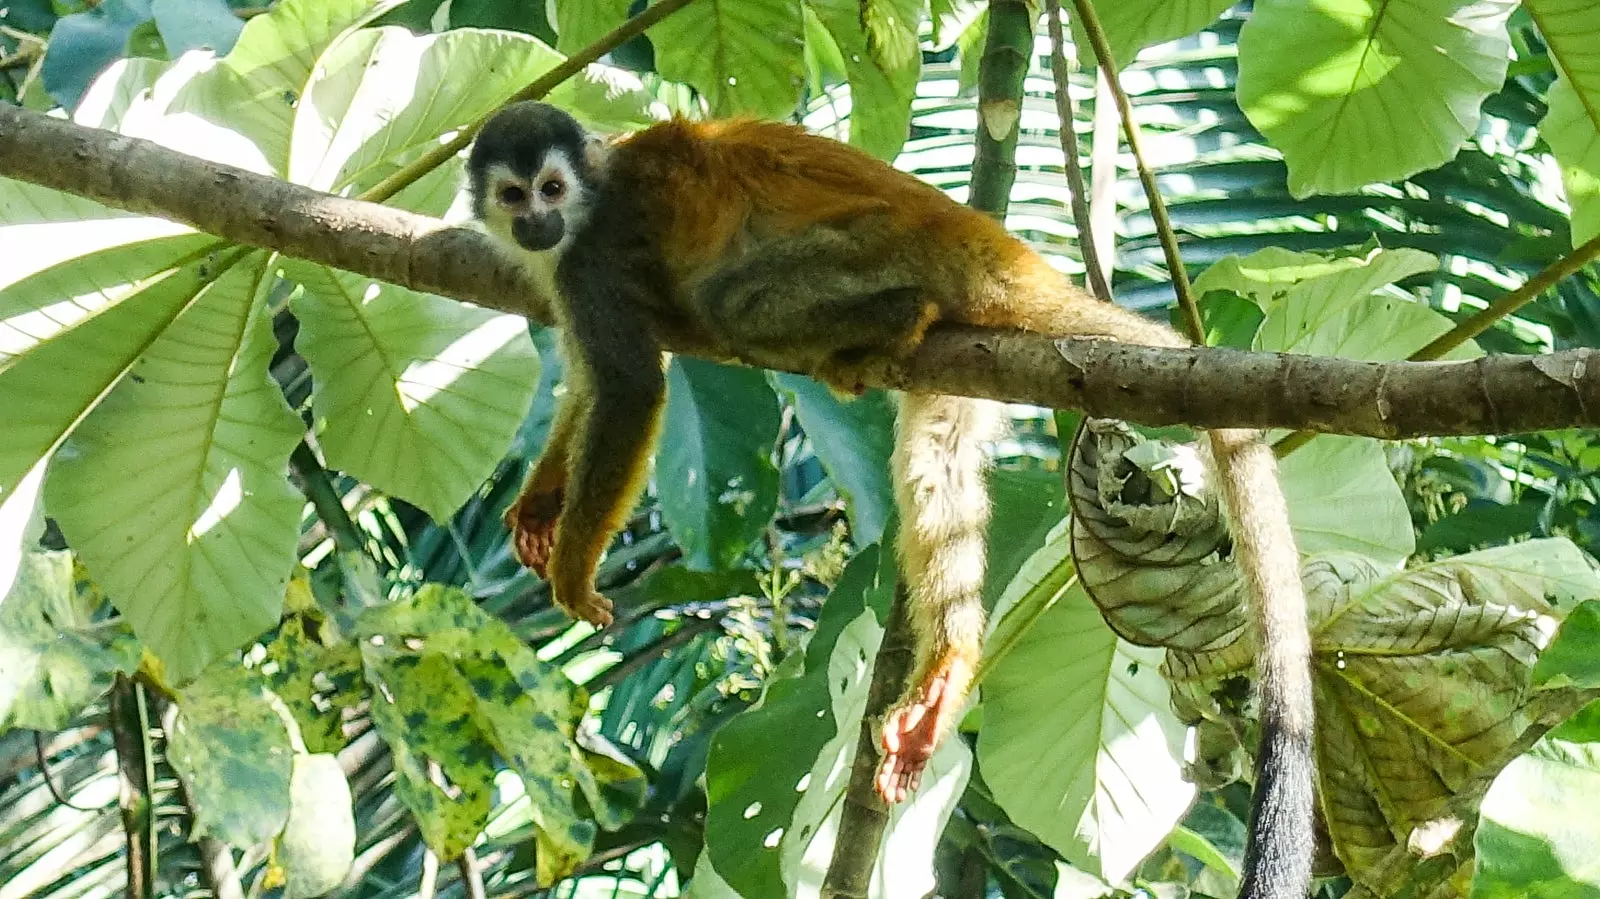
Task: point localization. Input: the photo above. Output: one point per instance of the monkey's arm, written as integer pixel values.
(531, 517)
(614, 422)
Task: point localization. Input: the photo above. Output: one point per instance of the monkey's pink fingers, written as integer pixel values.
(911, 735)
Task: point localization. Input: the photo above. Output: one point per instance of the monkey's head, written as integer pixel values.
(531, 174)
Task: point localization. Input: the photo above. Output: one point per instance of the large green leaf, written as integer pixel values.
(1357, 91)
(53, 661)
(423, 709)
(173, 490)
(1132, 25)
(1573, 657)
(232, 751)
(1079, 742)
(904, 867)
(580, 23)
(1539, 826)
(417, 395)
(498, 698)
(67, 335)
(1312, 315)
(743, 56)
(853, 440)
(1342, 496)
(777, 773)
(383, 95)
(714, 468)
(881, 83)
(274, 58)
(1571, 29)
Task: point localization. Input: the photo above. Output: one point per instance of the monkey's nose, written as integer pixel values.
(538, 231)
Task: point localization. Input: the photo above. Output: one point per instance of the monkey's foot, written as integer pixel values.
(595, 609)
(532, 520)
(913, 729)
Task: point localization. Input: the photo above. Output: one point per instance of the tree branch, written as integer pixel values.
(1208, 388)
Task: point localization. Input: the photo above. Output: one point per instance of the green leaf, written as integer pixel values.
(1573, 658)
(906, 851)
(1132, 25)
(1025, 507)
(174, 490)
(21, 525)
(1538, 829)
(53, 661)
(1342, 496)
(746, 57)
(1266, 275)
(758, 759)
(424, 710)
(416, 394)
(519, 707)
(318, 843)
(392, 93)
(1483, 522)
(83, 44)
(1096, 771)
(882, 62)
(196, 24)
(853, 440)
(1357, 91)
(1325, 313)
(1571, 30)
(232, 751)
(950, 18)
(580, 23)
(274, 58)
(1230, 319)
(317, 683)
(66, 336)
(714, 468)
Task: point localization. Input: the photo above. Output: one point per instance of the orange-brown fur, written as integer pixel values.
(760, 242)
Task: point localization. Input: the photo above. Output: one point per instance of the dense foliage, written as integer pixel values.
(258, 606)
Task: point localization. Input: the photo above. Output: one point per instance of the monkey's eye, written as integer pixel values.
(552, 189)
(512, 195)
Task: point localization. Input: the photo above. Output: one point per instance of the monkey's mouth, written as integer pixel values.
(538, 231)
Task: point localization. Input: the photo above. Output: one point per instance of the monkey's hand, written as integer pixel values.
(913, 729)
(532, 520)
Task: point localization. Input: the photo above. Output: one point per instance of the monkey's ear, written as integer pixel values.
(595, 150)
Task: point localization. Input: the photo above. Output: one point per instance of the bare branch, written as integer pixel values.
(1209, 388)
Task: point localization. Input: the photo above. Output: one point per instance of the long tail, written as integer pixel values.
(939, 467)
(1277, 863)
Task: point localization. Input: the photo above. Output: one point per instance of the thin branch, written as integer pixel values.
(49, 779)
(21, 59)
(1204, 387)
(318, 488)
(1067, 112)
(865, 816)
(544, 84)
(471, 874)
(130, 730)
(1158, 207)
(1482, 321)
(1511, 302)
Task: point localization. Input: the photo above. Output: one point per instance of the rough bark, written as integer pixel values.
(1211, 388)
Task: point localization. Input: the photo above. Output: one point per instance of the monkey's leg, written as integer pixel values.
(939, 464)
(615, 429)
(821, 300)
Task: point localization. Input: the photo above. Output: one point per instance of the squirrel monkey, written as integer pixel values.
(761, 242)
